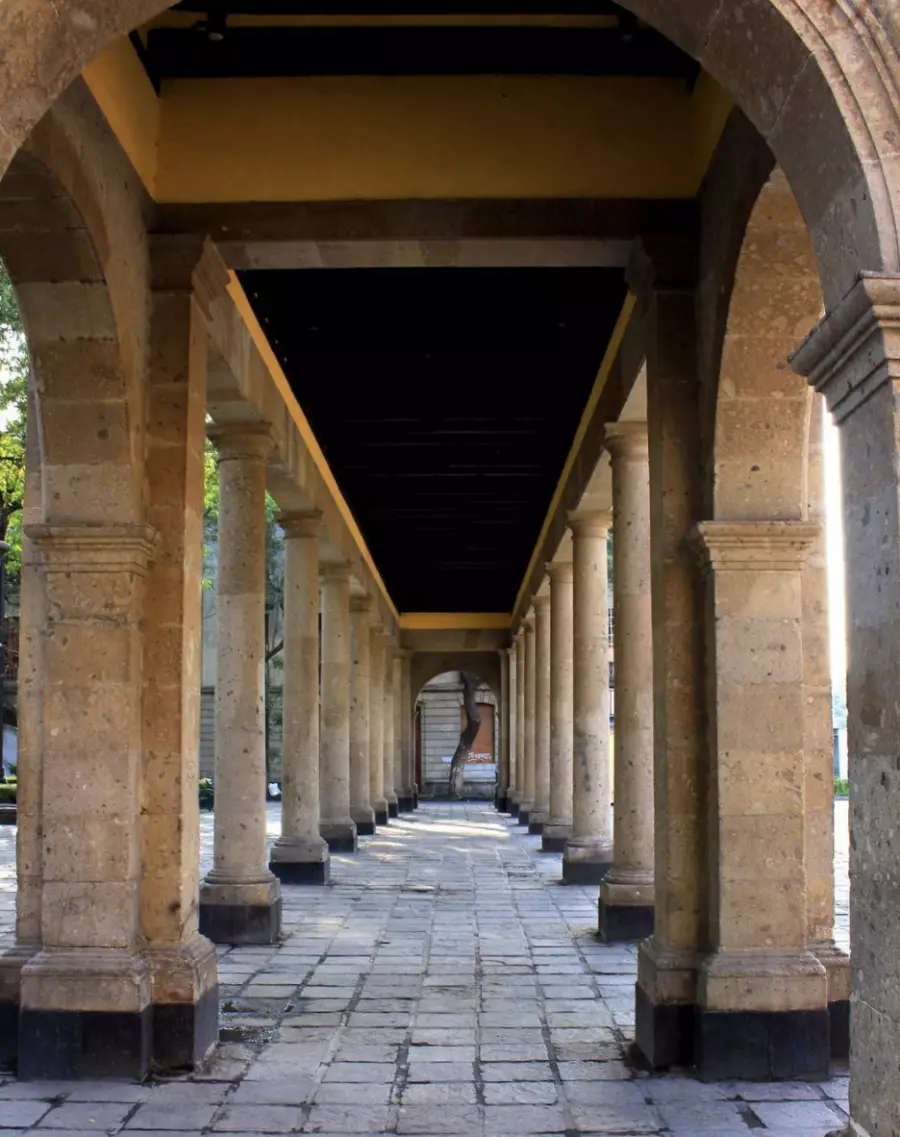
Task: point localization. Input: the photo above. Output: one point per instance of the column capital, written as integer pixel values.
(754, 546)
(590, 523)
(626, 440)
(241, 439)
(542, 603)
(304, 523)
(94, 548)
(360, 603)
(856, 347)
(335, 570)
(560, 572)
(519, 637)
(376, 626)
(528, 624)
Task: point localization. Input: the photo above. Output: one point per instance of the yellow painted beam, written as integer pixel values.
(454, 621)
(596, 391)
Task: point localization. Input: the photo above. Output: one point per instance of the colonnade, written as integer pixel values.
(347, 763)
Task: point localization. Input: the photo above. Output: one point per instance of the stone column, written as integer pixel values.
(89, 983)
(559, 827)
(667, 962)
(360, 778)
(403, 733)
(388, 723)
(512, 687)
(526, 802)
(762, 995)
(503, 788)
(376, 723)
(409, 743)
(240, 899)
(519, 793)
(626, 895)
(182, 962)
(818, 745)
(336, 825)
(540, 811)
(853, 359)
(588, 852)
(300, 855)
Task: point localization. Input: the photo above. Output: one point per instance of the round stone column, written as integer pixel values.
(519, 791)
(240, 899)
(559, 826)
(336, 825)
(526, 802)
(540, 811)
(588, 853)
(376, 723)
(300, 855)
(388, 726)
(360, 782)
(626, 895)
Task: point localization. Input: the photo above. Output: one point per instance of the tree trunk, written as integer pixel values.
(467, 735)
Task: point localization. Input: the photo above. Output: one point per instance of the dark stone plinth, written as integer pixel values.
(524, 816)
(584, 872)
(184, 1033)
(365, 828)
(762, 1046)
(405, 804)
(62, 1045)
(551, 844)
(393, 808)
(381, 817)
(621, 923)
(514, 809)
(535, 828)
(663, 1032)
(301, 872)
(241, 923)
(9, 1032)
(341, 842)
(501, 804)
(839, 1018)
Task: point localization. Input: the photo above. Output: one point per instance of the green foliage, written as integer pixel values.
(13, 413)
(206, 793)
(8, 793)
(841, 787)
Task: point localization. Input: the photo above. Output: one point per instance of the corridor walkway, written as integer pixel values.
(446, 984)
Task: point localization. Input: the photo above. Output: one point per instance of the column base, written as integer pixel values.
(405, 803)
(663, 1032)
(364, 818)
(624, 923)
(537, 819)
(393, 809)
(525, 809)
(240, 913)
(586, 862)
(513, 808)
(554, 837)
(381, 817)
(300, 860)
(837, 971)
(185, 993)
(839, 1026)
(11, 964)
(339, 836)
(62, 1036)
(762, 1045)
(501, 803)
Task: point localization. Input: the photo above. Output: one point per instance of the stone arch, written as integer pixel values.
(762, 407)
(427, 665)
(816, 78)
(73, 238)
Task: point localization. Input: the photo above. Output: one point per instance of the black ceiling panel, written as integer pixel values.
(445, 401)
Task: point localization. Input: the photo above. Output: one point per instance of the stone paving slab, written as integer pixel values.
(446, 983)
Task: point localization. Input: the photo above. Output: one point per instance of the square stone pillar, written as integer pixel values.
(376, 723)
(626, 895)
(389, 724)
(182, 962)
(526, 801)
(501, 795)
(562, 692)
(853, 359)
(300, 854)
(336, 825)
(540, 811)
(240, 899)
(666, 989)
(406, 790)
(762, 995)
(360, 780)
(519, 783)
(588, 852)
(85, 998)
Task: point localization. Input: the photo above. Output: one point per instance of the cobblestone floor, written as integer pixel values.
(446, 984)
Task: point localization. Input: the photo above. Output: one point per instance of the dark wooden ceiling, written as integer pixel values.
(445, 401)
(214, 48)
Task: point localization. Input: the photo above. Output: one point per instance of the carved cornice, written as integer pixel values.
(754, 546)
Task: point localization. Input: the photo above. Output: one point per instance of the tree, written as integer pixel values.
(467, 735)
(14, 369)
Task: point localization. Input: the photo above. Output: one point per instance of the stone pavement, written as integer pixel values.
(446, 984)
